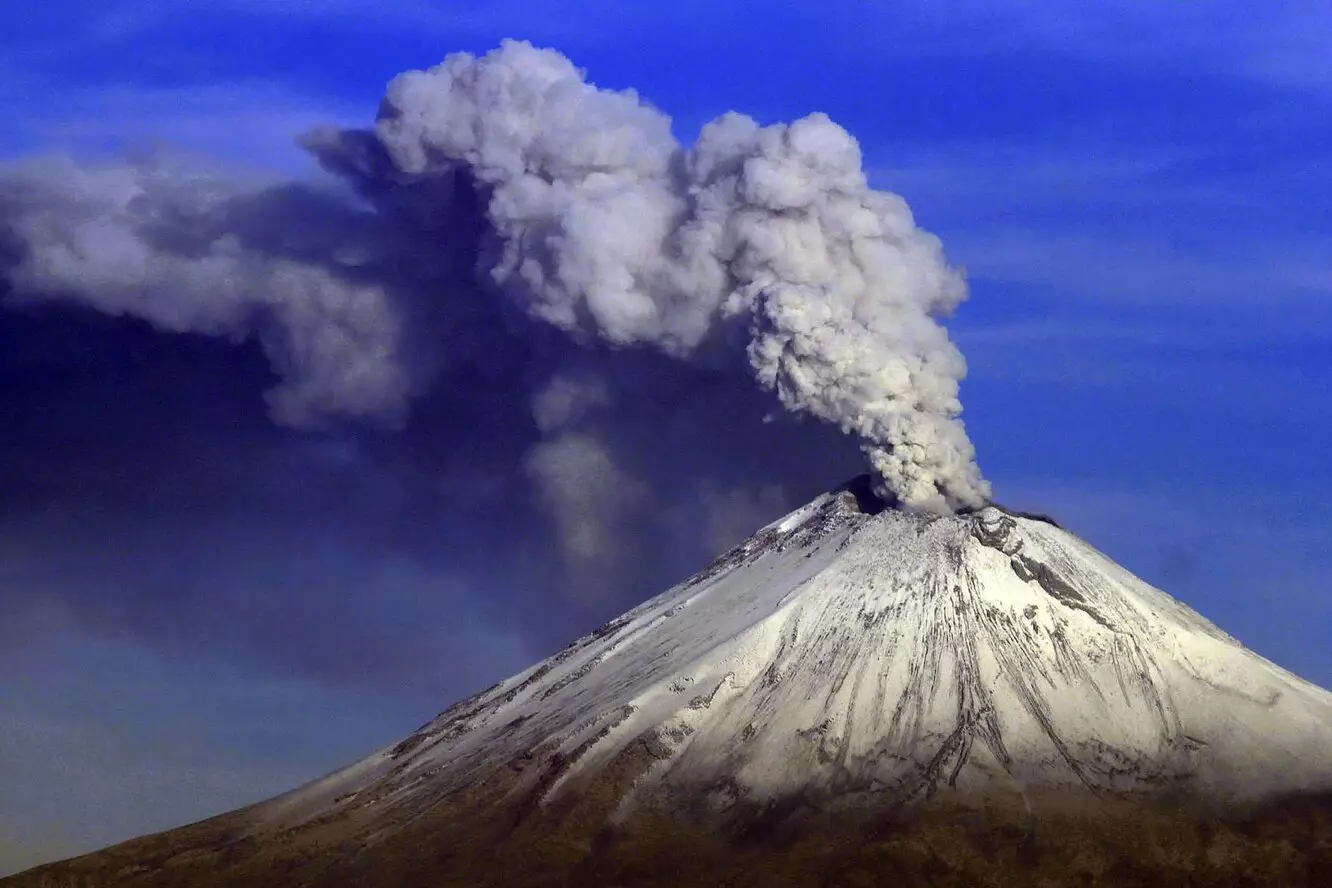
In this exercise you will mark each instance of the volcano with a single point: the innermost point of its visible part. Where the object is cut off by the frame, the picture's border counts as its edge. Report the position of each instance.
(854, 693)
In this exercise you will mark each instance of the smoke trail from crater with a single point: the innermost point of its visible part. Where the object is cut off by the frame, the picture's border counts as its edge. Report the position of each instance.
(505, 190)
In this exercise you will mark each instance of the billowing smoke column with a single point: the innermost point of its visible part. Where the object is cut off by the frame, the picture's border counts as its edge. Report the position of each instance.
(507, 184)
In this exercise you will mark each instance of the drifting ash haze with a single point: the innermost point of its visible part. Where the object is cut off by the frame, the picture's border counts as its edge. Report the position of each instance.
(502, 190)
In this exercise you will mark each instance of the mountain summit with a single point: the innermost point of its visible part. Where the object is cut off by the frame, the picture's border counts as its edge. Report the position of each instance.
(849, 671)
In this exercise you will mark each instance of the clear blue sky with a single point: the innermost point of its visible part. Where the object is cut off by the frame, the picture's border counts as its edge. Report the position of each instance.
(1141, 194)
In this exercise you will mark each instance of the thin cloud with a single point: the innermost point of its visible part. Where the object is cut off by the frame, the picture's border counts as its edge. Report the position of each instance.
(1074, 225)
(1144, 273)
(1283, 45)
(253, 123)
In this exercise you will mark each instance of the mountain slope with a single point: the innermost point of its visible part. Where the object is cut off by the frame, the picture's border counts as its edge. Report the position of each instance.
(841, 652)
(847, 667)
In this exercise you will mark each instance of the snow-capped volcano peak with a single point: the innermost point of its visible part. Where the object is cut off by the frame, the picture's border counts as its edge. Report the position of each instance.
(854, 652)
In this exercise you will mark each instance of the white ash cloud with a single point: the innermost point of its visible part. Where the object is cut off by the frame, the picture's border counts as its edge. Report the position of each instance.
(768, 236)
(506, 189)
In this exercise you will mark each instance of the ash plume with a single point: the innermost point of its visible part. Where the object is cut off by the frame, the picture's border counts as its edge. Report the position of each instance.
(504, 196)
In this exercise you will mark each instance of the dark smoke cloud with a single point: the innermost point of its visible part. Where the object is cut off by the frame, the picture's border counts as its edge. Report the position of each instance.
(143, 492)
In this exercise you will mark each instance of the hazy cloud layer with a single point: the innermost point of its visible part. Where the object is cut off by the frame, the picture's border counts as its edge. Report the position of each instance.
(148, 495)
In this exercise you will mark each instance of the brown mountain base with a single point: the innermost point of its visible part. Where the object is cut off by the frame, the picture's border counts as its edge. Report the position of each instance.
(492, 834)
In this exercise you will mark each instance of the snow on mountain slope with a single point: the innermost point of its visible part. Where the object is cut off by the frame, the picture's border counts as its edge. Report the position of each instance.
(853, 652)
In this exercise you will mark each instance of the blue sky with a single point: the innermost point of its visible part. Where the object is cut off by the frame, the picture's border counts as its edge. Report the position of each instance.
(1140, 192)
